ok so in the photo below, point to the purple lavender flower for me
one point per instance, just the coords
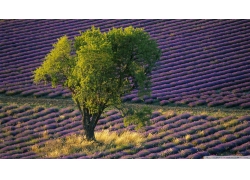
(164, 102)
(198, 155)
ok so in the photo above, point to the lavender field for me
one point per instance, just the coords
(204, 64)
(169, 136)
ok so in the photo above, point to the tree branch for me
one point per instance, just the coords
(97, 116)
(79, 107)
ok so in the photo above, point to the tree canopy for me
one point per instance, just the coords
(99, 68)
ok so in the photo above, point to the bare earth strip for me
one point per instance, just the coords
(61, 103)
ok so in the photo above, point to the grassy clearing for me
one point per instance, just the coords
(76, 144)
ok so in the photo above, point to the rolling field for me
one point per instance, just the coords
(200, 92)
(203, 62)
(170, 135)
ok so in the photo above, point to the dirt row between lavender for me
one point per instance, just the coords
(61, 103)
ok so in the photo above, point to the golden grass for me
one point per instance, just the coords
(168, 114)
(188, 137)
(200, 133)
(223, 139)
(176, 141)
(76, 143)
(230, 123)
(201, 146)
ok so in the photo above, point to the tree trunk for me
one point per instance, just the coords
(90, 134)
(89, 122)
(88, 130)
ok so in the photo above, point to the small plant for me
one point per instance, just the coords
(167, 152)
(200, 133)
(18, 124)
(9, 112)
(73, 119)
(38, 109)
(137, 116)
(33, 141)
(160, 111)
(237, 135)
(27, 127)
(171, 34)
(176, 141)
(214, 62)
(150, 135)
(169, 114)
(188, 137)
(223, 139)
(60, 118)
(130, 151)
(230, 123)
(201, 146)
(45, 134)
(10, 93)
(35, 148)
(232, 129)
(194, 143)
(7, 133)
(182, 152)
(2, 115)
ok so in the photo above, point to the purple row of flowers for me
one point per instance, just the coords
(179, 77)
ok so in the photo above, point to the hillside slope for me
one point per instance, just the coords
(203, 62)
(169, 136)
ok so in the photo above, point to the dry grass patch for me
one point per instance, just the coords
(176, 141)
(201, 133)
(230, 123)
(168, 114)
(188, 137)
(76, 144)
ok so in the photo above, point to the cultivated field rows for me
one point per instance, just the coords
(170, 135)
(203, 62)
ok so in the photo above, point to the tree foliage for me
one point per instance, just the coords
(99, 68)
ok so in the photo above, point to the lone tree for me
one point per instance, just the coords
(99, 68)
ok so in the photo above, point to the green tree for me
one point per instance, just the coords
(99, 68)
